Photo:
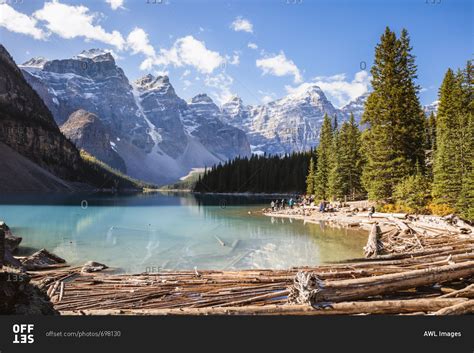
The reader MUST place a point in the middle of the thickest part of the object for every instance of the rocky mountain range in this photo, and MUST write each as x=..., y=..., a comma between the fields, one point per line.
x=159, y=136
x=35, y=155
x=88, y=133
x=149, y=132
x=288, y=124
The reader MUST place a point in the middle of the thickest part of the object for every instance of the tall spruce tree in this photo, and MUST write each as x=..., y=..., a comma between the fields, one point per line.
x=324, y=160
x=431, y=132
x=394, y=140
x=354, y=162
x=447, y=169
x=465, y=202
x=336, y=173
x=310, y=177
x=346, y=171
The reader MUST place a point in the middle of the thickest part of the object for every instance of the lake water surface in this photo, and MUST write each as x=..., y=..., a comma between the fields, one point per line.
x=151, y=232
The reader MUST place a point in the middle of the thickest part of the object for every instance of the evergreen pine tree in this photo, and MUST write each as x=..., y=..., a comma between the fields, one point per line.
x=310, y=177
x=394, y=140
x=346, y=171
x=447, y=169
x=324, y=160
x=354, y=162
x=336, y=173
x=465, y=202
x=431, y=132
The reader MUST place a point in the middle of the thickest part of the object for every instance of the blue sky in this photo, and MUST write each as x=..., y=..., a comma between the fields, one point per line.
x=259, y=50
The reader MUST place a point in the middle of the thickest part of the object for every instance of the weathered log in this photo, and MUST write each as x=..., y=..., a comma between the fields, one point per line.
x=458, y=309
x=373, y=242
x=347, y=308
x=362, y=288
x=388, y=215
x=467, y=292
x=404, y=228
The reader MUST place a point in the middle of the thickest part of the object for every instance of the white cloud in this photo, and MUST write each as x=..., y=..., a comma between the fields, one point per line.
x=115, y=4
x=76, y=21
x=234, y=59
x=252, y=46
x=138, y=42
x=279, y=65
x=18, y=22
x=242, y=24
x=222, y=84
x=187, y=51
x=338, y=88
x=266, y=97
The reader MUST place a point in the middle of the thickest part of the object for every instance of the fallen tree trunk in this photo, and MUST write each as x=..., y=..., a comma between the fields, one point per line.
x=467, y=292
x=373, y=243
x=348, y=308
x=316, y=291
x=466, y=307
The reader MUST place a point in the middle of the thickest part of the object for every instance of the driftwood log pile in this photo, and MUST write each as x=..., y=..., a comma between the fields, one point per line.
x=413, y=267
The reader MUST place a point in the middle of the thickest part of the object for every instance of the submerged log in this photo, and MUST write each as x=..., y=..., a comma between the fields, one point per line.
x=362, y=288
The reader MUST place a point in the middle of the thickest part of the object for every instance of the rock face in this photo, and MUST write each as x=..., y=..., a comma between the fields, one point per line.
x=157, y=134
x=87, y=132
x=29, y=176
x=204, y=120
x=27, y=126
x=285, y=125
x=42, y=259
x=356, y=107
x=19, y=297
x=93, y=82
x=162, y=108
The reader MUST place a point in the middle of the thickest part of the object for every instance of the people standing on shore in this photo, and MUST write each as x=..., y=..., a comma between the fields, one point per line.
x=371, y=211
x=322, y=206
x=272, y=205
x=290, y=203
x=283, y=201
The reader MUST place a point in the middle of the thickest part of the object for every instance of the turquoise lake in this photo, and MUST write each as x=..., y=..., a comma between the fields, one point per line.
x=151, y=232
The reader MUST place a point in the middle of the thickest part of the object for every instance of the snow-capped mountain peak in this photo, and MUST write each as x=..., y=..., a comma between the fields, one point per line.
x=202, y=98
x=37, y=62
x=312, y=91
x=95, y=54
x=152, y=83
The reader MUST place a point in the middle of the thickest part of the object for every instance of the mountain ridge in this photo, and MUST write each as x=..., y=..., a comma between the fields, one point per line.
x=159, y=135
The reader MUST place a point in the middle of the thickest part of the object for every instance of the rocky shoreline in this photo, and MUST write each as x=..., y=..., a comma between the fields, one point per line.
x=358, y=217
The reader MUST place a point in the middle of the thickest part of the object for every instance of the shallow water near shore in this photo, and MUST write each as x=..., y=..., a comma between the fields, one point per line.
x=137, y=233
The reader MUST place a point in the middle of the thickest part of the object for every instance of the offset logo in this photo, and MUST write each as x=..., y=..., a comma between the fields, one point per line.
x=23, y=333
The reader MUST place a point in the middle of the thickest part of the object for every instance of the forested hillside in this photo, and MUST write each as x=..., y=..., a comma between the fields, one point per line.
x=258, y=174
